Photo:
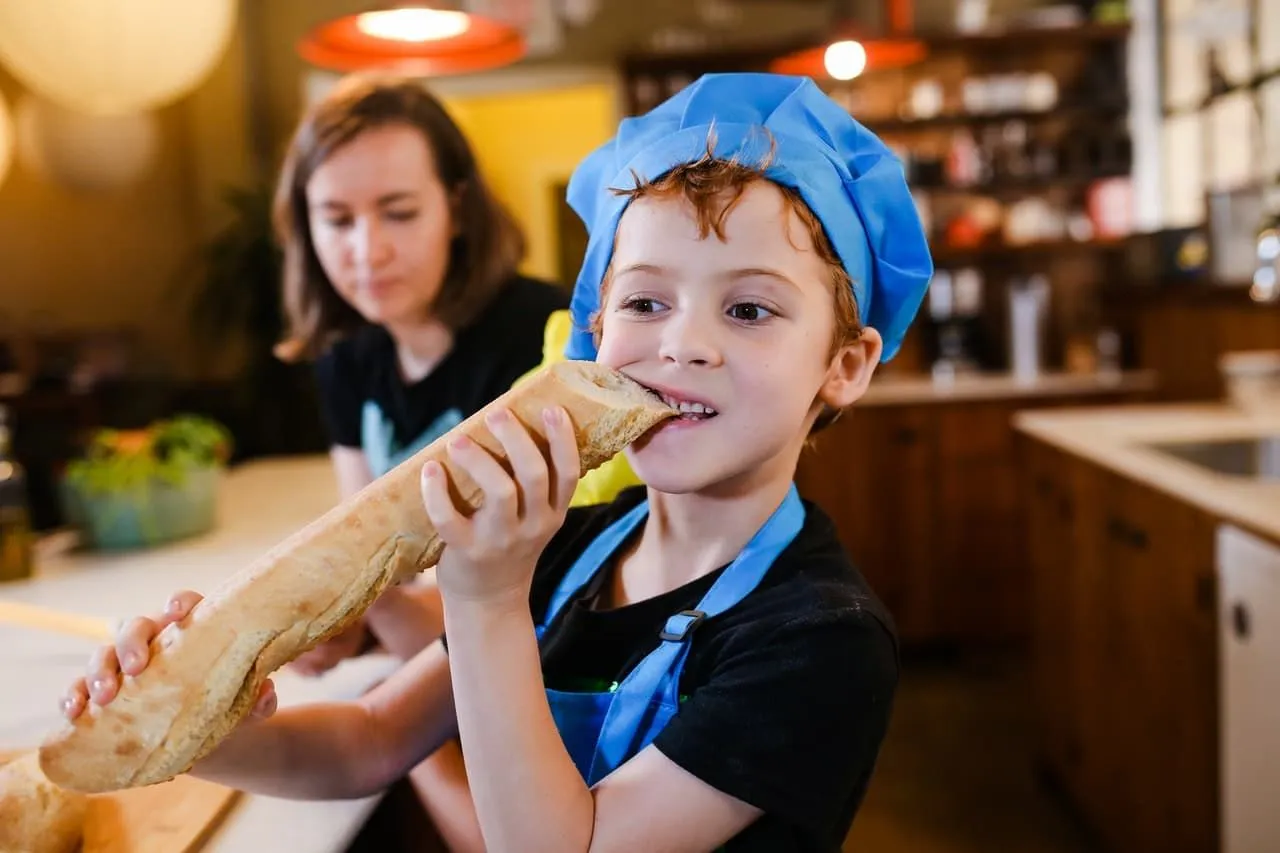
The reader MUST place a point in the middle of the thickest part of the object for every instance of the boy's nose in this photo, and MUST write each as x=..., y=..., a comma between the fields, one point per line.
x=689, y=339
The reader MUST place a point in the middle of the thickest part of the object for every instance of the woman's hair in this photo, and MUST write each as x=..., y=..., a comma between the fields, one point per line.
x=713, y=186
x=482, y=257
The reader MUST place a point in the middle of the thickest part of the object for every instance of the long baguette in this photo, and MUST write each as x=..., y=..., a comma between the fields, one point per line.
x=206, y=672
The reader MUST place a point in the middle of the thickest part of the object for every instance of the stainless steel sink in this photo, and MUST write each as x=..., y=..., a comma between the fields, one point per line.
x=1254, y=458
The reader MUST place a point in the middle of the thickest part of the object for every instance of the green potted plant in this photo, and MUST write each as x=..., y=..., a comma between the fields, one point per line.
x=135, y=488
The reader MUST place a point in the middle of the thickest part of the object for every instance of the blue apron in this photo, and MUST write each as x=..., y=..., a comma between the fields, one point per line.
x=378, y=437
x=603, y=730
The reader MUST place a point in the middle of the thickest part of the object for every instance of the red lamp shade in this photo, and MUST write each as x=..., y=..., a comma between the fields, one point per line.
x=849, y=54
x=880, y=54
x=413, y=40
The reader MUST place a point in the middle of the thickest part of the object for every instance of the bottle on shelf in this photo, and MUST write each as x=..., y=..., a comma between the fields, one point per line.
x=16, y=558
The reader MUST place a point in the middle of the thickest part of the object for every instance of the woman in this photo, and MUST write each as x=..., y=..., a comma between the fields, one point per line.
x=400, y=282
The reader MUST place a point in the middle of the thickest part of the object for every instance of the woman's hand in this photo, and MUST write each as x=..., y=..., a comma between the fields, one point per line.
x=130, y=654
x=333, y=651
x=491, y=555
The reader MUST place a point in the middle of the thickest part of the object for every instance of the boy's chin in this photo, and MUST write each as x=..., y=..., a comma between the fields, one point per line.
x=668, y=478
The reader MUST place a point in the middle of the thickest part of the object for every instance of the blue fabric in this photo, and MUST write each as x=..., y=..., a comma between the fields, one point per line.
x=849, y=178
x=601, y=731
x=378, y=437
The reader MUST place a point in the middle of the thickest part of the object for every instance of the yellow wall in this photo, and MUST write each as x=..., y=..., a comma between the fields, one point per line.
x=531, y=140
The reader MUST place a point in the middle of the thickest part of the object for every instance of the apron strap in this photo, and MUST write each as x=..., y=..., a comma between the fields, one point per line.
x=655, y=681
x=591, y=560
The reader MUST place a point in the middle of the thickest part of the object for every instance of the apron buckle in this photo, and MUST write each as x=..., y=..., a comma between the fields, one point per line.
x=680, y=626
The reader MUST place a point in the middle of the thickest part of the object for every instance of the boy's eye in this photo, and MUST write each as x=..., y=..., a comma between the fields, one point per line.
x=749, y=312
x=402, y=215
x=338, y=221
x=640, y=304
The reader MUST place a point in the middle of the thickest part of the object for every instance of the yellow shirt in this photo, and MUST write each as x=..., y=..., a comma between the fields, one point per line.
x=603, y=484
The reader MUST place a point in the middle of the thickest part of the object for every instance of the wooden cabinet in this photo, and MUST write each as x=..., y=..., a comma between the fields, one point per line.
x=929, y=500
x=1124, y=650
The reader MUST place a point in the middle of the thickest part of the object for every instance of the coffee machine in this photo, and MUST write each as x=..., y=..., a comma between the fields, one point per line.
x=954, y=340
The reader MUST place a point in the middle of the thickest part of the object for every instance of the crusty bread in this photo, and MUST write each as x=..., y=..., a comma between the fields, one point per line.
x=37, y=816
x=206, y=672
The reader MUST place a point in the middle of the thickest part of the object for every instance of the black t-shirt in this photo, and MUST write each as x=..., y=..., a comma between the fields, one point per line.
x=785, y=697
x=487, y=357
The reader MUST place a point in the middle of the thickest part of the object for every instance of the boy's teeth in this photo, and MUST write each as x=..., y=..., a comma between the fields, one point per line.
x=687, y=408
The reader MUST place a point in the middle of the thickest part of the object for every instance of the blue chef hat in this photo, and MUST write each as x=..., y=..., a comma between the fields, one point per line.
x=853, y=183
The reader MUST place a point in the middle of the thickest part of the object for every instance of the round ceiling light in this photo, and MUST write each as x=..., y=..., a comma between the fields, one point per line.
x=413, y=40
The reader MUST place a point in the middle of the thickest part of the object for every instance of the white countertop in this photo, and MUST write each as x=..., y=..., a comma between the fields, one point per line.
x=1117, y=438
x=893, y=390
x=261, y=503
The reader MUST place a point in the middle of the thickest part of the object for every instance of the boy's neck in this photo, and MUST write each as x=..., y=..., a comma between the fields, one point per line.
x=420, y=346
x=689, y=536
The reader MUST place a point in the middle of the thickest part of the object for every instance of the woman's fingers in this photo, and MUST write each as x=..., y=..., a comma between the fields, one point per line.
x=528, y=465
x=267, y=701
x=133, y=644
x=103, y=675
x=179, y=606
x=75, y=700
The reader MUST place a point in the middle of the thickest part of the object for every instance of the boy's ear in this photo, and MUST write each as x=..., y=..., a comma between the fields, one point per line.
x=851, y=370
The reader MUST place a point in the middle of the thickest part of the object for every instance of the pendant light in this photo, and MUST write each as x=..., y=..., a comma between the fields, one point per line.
x=113, y=57
x=851, y=52
x=419, y=40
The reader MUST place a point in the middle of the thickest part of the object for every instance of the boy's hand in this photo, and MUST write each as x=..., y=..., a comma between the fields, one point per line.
x=491, y=555
x=131, y=653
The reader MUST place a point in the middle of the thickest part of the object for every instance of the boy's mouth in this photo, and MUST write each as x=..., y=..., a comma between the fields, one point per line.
x=690, y=410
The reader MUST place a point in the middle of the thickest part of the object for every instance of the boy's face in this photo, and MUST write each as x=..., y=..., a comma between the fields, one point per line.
x=738, y=330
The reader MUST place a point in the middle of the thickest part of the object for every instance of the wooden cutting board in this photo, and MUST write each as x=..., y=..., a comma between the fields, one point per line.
x=173, y=817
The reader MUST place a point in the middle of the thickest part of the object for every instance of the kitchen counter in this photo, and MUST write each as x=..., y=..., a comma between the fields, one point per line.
x=906, y=390
x=261, y=503
x=1114, y=438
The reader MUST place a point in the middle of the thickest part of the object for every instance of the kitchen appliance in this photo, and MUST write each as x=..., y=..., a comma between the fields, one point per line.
x=1249, y=629
x=952, y=331
x=1028, y=312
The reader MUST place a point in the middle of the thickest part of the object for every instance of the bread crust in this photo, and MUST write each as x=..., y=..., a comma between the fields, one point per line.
x=206, y=671
x=37, y=816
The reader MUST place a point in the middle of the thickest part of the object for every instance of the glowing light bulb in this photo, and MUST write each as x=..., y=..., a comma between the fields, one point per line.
x=415, y=25
x=845, y=60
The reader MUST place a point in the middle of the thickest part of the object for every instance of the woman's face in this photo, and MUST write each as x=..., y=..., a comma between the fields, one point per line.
x=381, y=222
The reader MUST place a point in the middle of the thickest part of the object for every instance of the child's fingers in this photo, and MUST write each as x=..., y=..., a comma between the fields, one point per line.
x=75, y=699
x=446, y=519
x=527, y=462
x=565, y=460
x=499, y=490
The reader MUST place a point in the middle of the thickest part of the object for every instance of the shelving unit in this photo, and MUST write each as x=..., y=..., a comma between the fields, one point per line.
x=1045, y=115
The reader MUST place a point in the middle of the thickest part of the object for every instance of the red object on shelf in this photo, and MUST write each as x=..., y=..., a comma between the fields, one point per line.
x=343, y=45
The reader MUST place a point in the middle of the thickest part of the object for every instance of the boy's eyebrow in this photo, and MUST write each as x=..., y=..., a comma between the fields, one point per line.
x=652, y=269
x=756, y=272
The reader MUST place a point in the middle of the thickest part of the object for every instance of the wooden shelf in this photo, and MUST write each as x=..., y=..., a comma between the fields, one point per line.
x=949, y=256
x=1021, y=185
x=1081, y=112
x=1034, y=38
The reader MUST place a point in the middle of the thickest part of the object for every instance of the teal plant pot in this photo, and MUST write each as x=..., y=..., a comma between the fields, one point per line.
x=152, y=514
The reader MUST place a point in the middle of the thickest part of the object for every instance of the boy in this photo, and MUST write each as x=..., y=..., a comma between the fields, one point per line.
x=695, y=665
